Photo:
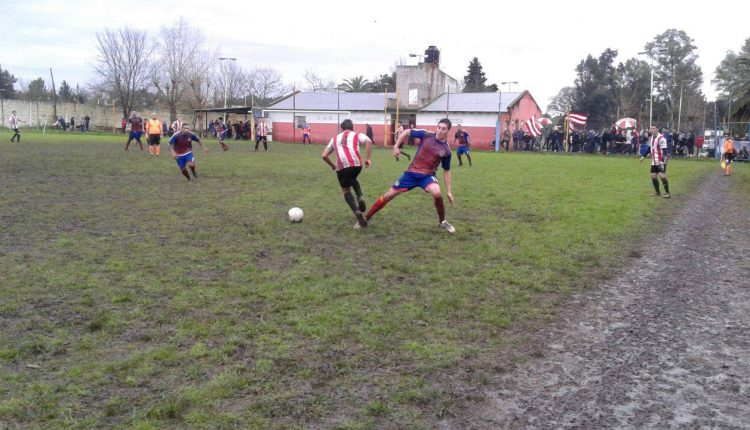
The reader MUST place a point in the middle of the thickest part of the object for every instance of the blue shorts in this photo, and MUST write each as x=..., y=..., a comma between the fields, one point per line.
x=410, y=180
x=462, y=150
x=182, y=160
x=222, y=135
x=135, y=135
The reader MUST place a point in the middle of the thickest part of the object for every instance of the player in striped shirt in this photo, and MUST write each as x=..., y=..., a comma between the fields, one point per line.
x=658, y=151
x=349, y=165
x=261, y=133
x=15, y=124
x=433, y=151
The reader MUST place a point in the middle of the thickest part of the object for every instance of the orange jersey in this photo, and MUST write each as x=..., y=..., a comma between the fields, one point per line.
x=728, y=146
x=153, y=126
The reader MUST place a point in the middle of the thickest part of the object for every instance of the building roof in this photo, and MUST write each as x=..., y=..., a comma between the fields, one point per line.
x=333, y=101
x=472, y=102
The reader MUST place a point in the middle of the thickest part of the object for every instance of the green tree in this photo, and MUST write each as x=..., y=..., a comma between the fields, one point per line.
x=733, y=81
x=357, y=84
x=7, y=91
x=383, y=82
x=596, y=89
x=633, y=81
x=475, y=81
x=675, y=70
x=65, y=92
x=37, y=90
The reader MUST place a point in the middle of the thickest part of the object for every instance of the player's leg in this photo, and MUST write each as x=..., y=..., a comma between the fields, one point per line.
x=460, y=161
x=665, y=182
x=265, y=143
x=360, y=195
x=437, y=198
x=383, y=200
x=655, y=182
x=468, y=157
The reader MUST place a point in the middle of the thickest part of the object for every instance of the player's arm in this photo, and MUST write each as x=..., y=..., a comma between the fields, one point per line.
x=466, y=138
x=171, y=146
x=448, y=177
x=401, y=138
x=198, y=139
x=326, y=153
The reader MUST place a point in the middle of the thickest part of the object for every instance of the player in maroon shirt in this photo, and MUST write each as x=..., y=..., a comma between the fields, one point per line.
x=181, y=145
x=433, y=151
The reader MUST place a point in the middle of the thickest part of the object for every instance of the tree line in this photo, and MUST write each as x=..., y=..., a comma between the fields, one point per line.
x=607, y=91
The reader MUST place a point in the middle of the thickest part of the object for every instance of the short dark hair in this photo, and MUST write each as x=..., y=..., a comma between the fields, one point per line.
x=347, y=124
x=446, y=121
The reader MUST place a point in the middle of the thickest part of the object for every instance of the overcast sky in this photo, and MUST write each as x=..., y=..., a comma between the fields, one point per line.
x=536, y=43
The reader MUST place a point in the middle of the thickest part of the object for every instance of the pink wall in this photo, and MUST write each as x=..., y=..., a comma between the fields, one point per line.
x=321, y=133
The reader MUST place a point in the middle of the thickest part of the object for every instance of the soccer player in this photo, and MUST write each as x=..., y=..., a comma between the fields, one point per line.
x=349, y=165
x=433, y=151
x=658, y=150
x=176, y=125
x=462, y=139
x=399, y=132
x=181, y=145
x=221, y=133
x=261, y=133
x=728, y=154
x=15, y=124
x=153, y=131
x=306, y=134
x=136, y=130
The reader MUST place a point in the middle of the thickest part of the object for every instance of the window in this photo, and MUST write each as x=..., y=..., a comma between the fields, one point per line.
x=300, y=121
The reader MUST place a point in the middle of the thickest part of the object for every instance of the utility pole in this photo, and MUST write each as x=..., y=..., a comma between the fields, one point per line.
x=54, y=94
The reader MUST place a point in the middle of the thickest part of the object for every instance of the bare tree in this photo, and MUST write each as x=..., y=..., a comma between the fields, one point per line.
x=123, y=64
x=201, y=85
x=178, y=46
x=316, y=83
x=232, y=78
x=266, y=84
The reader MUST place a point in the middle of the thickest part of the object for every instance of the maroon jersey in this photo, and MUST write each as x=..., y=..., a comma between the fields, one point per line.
x=136, y=123
x=183, y=142
x=430, y=154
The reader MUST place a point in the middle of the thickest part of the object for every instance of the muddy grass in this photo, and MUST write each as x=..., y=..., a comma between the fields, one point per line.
x=664, y=344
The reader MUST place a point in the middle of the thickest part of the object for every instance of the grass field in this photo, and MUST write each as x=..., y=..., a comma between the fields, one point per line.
x=130, y=298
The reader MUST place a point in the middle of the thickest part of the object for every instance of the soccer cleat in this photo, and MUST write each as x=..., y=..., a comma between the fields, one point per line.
x=667, y=196
x=445, y=225
x=361, y=220
x=655, y=194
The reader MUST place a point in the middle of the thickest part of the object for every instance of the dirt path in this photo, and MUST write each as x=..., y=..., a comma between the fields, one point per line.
x=666, y=344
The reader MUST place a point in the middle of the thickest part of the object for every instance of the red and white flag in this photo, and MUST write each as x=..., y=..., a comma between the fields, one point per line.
x=577, y=118
x=533, y=126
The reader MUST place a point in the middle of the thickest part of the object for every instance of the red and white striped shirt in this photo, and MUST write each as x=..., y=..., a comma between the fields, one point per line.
x=658, y=150
x=13, y=121
x=262, y=129
x=346, y=145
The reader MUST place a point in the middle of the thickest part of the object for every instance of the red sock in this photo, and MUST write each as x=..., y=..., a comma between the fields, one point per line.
x=378, y=205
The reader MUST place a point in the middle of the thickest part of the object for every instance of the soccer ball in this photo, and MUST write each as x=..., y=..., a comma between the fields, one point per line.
x=296, y=214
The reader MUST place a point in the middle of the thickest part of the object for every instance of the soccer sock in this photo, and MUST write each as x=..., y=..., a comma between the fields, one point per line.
x=656, y=185
x=666, y=184
x=350, y=201
x=378, y=205
x=440, y=208
x=151, y=150
x=468, y=157
x=192, y=169
x=360, y=196
x=185, y=173
x=158, y=150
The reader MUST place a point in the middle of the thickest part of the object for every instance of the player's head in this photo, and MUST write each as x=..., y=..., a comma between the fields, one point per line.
x=442, y=129
x=726, y=134
x=458, y=125
x=347, y=124
x=14, y=112
x=654, y=129
x=153, y=115
x=185, y=128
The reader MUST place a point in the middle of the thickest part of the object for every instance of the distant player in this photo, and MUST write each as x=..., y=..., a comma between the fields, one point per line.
x=462, y=140
x=433, y=151
x=153, y=131
x=658, y=150
x=181, y=145
x=221, y=133
x=136, y=130
x=399, y=132
x=349, y=165
x=261, y=133
x=176, y=125
x=306, y=134
x=728, y=154
x=15, y=124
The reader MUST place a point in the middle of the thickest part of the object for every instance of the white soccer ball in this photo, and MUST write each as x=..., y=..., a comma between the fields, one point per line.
x=296, y=214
